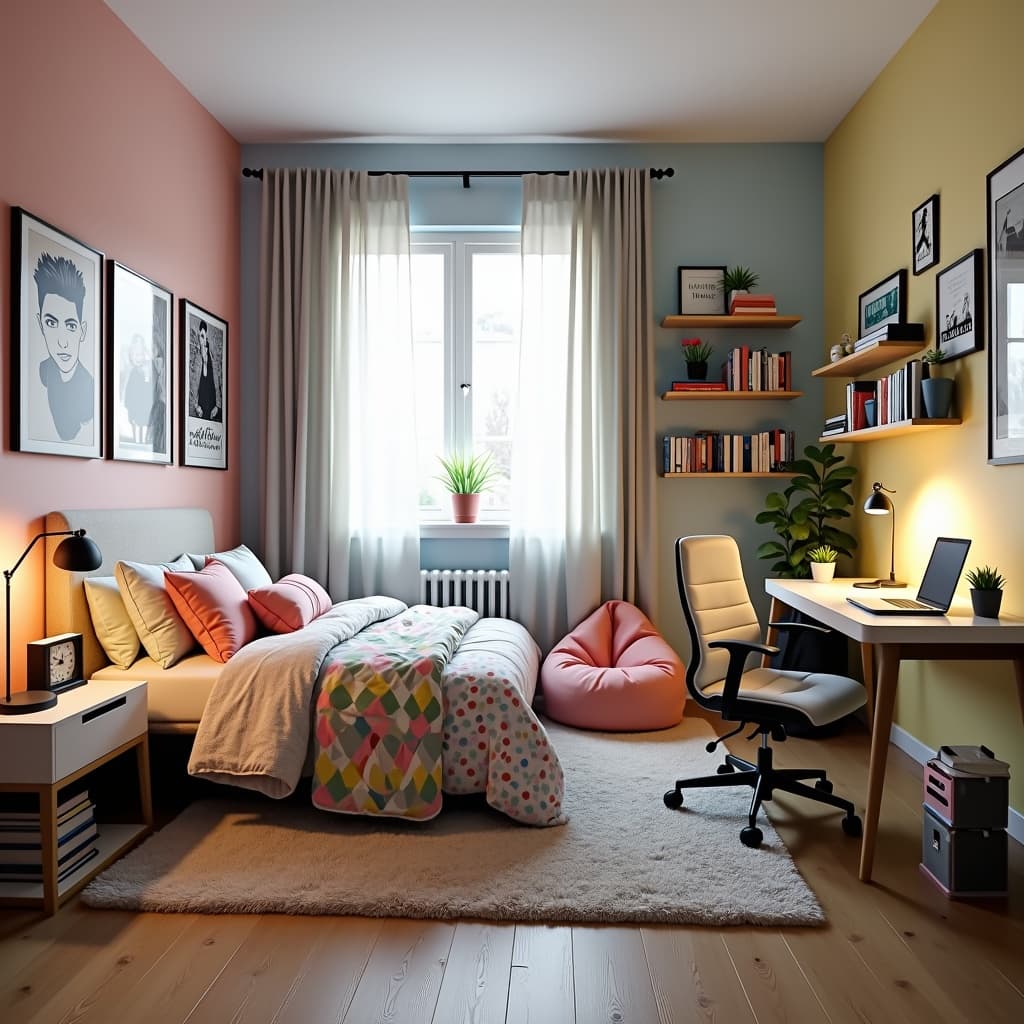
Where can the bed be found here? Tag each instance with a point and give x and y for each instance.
(495, 661)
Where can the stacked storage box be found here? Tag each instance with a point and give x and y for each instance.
(963, 841)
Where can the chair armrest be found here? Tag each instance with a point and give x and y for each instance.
(813, 627)
(738, 651)
(744, 647)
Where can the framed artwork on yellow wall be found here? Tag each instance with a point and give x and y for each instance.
(960, 306)
(925, 224)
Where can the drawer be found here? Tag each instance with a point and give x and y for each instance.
(87, 735)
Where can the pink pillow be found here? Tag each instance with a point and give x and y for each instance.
(214, 607)
(290, 603)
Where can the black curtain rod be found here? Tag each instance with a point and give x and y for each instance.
(656, 172)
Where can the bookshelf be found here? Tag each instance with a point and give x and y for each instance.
(730, 396)
(721, 476)
(899, 429)
(869, 359)
(723, 321)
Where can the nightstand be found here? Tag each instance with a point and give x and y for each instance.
(47, 751)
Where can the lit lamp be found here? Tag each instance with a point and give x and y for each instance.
(76, 553)
(880, 504)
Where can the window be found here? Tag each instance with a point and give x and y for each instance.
(465, 316)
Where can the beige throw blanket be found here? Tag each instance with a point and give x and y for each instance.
(254, 732)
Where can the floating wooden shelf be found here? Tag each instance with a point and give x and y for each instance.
(730, 396)
(889, 430)
(869, 359)
(719, 476)
(707, 322)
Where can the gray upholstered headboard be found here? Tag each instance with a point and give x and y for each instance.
(132, 534)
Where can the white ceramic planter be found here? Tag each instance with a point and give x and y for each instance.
(823, 571)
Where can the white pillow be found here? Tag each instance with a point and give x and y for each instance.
(244, 566)
(161, 629)
(110, 620)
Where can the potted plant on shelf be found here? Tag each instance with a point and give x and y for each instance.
(738, 280)
(937, 392)
(466, 476)
(823, 562)
(986, 591)
(696, 353)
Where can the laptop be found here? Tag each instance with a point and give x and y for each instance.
(937, 587)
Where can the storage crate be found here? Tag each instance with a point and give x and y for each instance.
(963, 861)
(966, 799)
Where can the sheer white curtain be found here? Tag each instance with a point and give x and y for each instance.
(582, 520)
(338, 445)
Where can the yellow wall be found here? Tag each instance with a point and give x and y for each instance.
(944, 112)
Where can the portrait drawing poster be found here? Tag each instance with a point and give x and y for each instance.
(204, 360)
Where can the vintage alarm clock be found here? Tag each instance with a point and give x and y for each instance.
(55, 663)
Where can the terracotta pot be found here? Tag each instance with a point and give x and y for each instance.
(465, 507)
(697, 371)
(823, 572)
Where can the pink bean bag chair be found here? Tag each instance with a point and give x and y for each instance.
(614, 672)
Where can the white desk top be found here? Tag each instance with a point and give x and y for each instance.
(827, 603)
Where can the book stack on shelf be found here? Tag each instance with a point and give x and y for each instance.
(750, 304)
(890, 332)
(897, 397)
(711, 452)
(21, 840)
(835, 425)
(757, 370)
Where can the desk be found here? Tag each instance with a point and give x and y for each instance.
(956, 636)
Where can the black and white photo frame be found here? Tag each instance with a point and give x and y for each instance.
(141, 367)
(56, 380)
(925, 235)
(702, 291)
(960, 306)
(204, 389)
(883, 303)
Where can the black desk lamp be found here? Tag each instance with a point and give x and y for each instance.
(880, 504)
(76, 553)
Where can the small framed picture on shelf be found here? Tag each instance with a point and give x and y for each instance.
(925, 227)
(204, 390)
(702, 291)
(959, 306)
(883, 303)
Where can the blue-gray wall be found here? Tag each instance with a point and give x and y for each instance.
(759, 205)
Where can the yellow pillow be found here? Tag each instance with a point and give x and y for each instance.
(110, 620)
(161, 629)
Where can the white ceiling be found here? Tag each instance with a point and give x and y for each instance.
(533, 70)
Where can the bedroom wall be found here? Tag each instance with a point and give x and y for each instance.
(99, 139)
(940, 117)
(759, 205)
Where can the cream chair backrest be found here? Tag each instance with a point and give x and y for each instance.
(718, 601)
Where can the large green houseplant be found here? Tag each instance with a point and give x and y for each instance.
(805, 513)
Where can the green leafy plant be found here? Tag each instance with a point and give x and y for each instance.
(933, 356)
(823, 554)
(804, 514)
(695, 350)
(739, 279)
(467, 474)
(986, 578)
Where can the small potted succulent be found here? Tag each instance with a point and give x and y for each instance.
(466, 476)
(986, 591)
(823, 562)
(696, 353)
(937, 392)
(738, 280)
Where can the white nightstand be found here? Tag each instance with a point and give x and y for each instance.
(44, 752)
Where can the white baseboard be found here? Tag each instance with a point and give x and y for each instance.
(913, 747)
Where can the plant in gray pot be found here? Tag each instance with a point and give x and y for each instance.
(937, 392)
(986, 591)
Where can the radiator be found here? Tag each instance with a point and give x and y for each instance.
(483, 590)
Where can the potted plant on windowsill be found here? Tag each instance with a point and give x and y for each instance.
(823, 563)
(466, 477)
(937, 392)
(696, 353)
(738, 280)
(986, 591)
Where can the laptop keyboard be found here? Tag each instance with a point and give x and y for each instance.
(903, 602)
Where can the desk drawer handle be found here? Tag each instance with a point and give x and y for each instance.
(103, 709)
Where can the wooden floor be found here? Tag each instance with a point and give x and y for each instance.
(896, 950)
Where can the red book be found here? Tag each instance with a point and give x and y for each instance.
(698, 385)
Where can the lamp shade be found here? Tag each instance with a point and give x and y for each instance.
(878, 502)
(77, 553)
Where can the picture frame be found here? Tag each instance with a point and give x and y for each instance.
(141, 367)
(56, 385)
(204, 388)
(883, 303)
(960, 306)
(702, 291)
(925, 235)
(1005, 287)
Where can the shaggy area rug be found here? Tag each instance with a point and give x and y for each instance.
(622, 857)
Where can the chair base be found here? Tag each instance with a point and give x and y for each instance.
(764, 778)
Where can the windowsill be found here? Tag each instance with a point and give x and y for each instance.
(463, 531)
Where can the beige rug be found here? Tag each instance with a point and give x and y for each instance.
(622, 857)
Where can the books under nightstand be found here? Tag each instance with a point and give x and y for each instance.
(21, 840)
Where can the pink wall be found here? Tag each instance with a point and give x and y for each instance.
(99, 139)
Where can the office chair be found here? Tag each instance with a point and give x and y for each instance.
(723, 632)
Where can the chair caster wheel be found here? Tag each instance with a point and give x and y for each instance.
(823, 786)
(673, 799)
(852, 826)
(711, 747)
(751, 837)
(725, 769)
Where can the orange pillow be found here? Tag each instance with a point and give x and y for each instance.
(290, 603)
(214, 607)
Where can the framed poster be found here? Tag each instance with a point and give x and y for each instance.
(925, 234)
(959, 306)
(702, 291)
(141, 370)
(883, 303)
(204, 390)
(1006, 311)
(56, 341)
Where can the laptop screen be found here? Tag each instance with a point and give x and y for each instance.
(943, 571)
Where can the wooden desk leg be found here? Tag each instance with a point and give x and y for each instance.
(885, 700)
(775, 613)
(867, 665)
(1018, 671)
(145, 792)
(48, 837)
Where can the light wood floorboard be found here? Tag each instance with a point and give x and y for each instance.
(893, 951)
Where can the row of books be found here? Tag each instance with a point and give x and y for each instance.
(835, 425)
(897, 397)
(757, 370)
(752, 304)
(711, 452)
(21, 840)
(890, 332)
